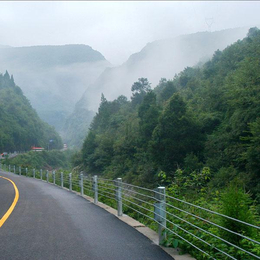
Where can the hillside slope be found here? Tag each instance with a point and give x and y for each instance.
(199, 133)
(20, 126)
(159, 59)
(53, 77)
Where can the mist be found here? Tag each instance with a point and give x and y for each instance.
(53, 88)
(159, 59)
(117, 29)
(124, 41)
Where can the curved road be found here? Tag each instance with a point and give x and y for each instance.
(51, 223)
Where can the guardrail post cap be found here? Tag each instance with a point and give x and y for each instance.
(159, 193)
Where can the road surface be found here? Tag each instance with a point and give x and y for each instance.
(52, 223)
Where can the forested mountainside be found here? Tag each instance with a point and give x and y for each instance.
(158, 59)
(20, 126)
(199, 132)
(76, 126)
(53, 78)
(45, 160)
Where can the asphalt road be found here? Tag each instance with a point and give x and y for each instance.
(51, 223)
(6, 196)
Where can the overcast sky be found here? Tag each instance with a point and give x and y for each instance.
(117, 29)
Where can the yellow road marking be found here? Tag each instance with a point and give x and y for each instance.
(9, 211)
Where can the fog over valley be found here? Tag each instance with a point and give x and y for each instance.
(53, 77)
(160, 59)
(64, 55)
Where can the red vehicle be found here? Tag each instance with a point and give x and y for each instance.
(4, 155)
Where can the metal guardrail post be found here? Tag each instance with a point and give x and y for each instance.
(14, 169)
(70, 181)
(160, 212)
(20, 170)
(47, 176)
(26, 172)
(119, 197)
(34, 173)
(9, 168)
(81, 185)
(53, 177)
(61, 179)
(41, 174)
(95, 186)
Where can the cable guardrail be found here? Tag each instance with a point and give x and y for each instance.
(183, 222)
(212, 223)
(213, 212)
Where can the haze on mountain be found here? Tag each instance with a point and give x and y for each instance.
(54, 83)
(20, 126)
(53, 78)
(159, 59)
(117, 29)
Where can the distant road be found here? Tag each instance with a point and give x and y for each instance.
(10, 155)
(51, 223)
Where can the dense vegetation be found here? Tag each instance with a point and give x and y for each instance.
(198, 134)
(161, 58)
(46, 160)
(204, 120)
(20, 126)
(53, 78)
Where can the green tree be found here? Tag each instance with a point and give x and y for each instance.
(148, 113)
(176, 135)
(139, 89)
(21, 127)
(252, 158)
(236, 204)
(168, 91)
(88, 150)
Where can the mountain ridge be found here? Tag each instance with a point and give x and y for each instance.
(53, 77)
(158, 59)
(52, 53)
(20, 126)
